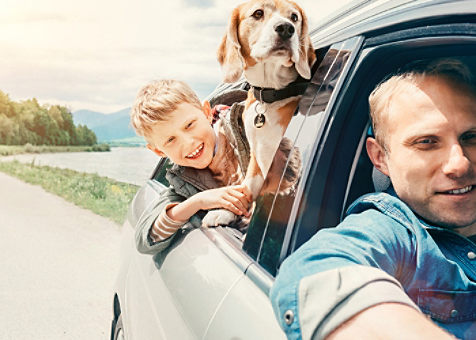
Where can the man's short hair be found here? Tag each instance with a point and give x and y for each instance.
(414, 73)
(156, 100)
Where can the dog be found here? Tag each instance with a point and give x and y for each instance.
(268, 42)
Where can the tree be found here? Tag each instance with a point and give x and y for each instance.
(28, 122)
(6, 106)
(85, 135)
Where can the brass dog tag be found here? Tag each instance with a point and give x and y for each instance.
(259, 120)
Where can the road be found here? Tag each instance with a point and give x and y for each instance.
(58, 264)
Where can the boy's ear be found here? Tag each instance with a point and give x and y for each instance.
(156, 151)
(207, 110)
(377, 155)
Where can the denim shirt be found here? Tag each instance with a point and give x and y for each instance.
(435, 267)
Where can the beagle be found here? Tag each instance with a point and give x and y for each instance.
(267, 41)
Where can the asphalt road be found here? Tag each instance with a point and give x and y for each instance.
(58, 264)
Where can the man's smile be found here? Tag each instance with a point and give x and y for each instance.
(457, 191)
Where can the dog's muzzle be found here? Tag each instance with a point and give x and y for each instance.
(284, 31)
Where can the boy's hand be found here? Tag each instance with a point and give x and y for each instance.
(233, 198)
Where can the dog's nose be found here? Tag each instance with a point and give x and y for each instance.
(285, 31)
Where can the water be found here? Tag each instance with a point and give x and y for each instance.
(129, 165)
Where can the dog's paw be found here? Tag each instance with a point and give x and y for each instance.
(218, 217)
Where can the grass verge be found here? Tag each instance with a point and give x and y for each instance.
(7, 150)
(101, 195)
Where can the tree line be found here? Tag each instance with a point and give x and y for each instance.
(29, 122)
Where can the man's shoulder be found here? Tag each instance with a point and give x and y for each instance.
(383, 206)
(375, 200)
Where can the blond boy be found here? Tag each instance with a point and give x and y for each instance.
(207, 172)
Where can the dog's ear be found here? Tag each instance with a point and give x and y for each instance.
(307, 56)
(229, 51)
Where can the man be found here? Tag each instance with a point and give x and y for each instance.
(409, 251)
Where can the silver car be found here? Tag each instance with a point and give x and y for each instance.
(214, 283)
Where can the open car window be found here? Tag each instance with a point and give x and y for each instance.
(343, 171)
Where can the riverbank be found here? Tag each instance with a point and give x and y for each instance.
(133, 165)
(101, 195)
(8, 150)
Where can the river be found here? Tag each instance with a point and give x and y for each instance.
(125, 164)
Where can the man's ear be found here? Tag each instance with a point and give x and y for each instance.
(156, 151)
(377, 155)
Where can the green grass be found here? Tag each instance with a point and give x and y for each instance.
(101, 195)
(7, 150)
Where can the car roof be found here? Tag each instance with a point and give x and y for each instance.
(365, 16)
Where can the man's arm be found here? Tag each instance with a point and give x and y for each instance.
(389, 321)
(342, 272)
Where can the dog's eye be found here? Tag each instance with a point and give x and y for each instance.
(294, 17)
(258, 14)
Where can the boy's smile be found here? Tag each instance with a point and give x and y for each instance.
(197, 153)
(186, 137)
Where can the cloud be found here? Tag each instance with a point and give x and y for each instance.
(199, 3)
(96, 54)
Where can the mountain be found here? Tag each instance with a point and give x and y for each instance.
(107, 127)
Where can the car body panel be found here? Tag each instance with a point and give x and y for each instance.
(362, 17)
(245, 313)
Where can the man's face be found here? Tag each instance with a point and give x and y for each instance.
(430, 136)
(186, 137)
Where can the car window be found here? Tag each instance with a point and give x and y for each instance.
(341, 171)
(267, 229)
(162, 167)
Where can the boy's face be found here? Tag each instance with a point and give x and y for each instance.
(186, 137)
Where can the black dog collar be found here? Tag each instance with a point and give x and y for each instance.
(270, 95)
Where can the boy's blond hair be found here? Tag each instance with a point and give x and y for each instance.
(156, 100)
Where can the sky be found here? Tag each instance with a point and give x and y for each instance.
(96, 54)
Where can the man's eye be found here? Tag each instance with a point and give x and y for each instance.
(169, 140)
(294, 17)
(426, 141)
(469, 138)
(189, 125)
(258, 14)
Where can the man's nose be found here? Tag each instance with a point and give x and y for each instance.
(458, 163)
(285, 30)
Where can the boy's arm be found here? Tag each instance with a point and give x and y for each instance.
(165, 226)
(174, 215)
(234, 198)
(156, 228)
(145, 243)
